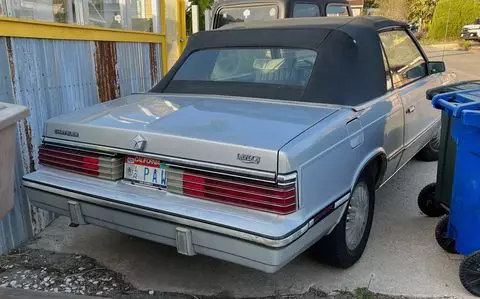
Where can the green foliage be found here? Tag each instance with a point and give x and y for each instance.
(368, 4)
(422, 10)
(364, 293)
(462, 12)
(202, 6)
(393, 9)
(465, 45)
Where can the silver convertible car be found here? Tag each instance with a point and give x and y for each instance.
(264, 140)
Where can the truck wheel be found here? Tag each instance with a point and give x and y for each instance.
(431, 151)
(347, 242)
(427, 202)
(470, 273)
(446, 243)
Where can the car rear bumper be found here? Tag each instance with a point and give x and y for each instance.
(189, 236)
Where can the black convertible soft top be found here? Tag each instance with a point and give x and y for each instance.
(349, 69)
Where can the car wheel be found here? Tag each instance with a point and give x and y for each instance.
(431, 151)
(470, 273)
(427, 202)
(445, 242)
(347, 242)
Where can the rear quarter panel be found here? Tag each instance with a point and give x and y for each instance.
(330, 157)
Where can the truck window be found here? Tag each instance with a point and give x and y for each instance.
(302, 10)
(337, 10)
(227, 15)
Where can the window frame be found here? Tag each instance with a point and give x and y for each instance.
(417, 45)
(216, 14)
(384, 57)
(296, 86)
(349, 11)
(292, 9)
(81, 13)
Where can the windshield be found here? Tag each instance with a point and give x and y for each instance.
(228, 15)
(279, 66)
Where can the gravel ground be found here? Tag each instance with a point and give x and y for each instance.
(48, 271)
(40, 270)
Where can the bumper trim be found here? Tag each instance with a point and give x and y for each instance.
(268, 242)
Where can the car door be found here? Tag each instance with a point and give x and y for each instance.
(409, 69)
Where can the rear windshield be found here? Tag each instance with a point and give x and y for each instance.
(273, 66)
(229, 15)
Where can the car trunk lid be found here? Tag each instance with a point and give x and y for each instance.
(221, 130)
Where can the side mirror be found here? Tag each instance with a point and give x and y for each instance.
(435, 67)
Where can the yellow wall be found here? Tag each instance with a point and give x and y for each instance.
(175, 29)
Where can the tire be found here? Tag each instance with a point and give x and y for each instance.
(427, 202)
(447, 244)
(470, 273)
(334, 249)
(431, 151)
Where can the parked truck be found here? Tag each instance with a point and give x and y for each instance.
(471, 32)
(234, 11)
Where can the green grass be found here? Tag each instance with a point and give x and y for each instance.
(455, 14)
(364, 293)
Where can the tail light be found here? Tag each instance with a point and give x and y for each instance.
(90, 163)
(270, 197)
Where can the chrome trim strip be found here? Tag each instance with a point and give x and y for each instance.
(249, 172)
(395, 153)
(287, 178)
(405, 148)
(419, 135)
(342, 200)
(274, 243)
(182, 167)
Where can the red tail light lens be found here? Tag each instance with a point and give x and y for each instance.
(240, 192)
(89, 163)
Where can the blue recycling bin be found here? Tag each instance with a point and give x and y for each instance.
(463, 228)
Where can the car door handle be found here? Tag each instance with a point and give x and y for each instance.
(411, 109)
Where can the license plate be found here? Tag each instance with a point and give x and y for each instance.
(146, 171)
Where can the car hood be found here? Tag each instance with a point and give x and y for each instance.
(202, 128)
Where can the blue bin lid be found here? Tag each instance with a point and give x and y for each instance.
(464, 105)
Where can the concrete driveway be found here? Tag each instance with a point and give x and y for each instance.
(402, 257)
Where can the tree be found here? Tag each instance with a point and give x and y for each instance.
(393, 9)
(422, 11)
(451, 15)
(369, 4)
(202, 6)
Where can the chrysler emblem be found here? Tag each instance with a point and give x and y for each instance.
(139, 143)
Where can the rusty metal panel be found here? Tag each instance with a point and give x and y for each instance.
(53, 77)
(158, 62)
(50, 77)
(106, 72)
(134, 71)
(15, 228)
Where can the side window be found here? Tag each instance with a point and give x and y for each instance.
(302, 10)
(337, 10)
(405, 59)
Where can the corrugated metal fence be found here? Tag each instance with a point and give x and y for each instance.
(53, 77)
